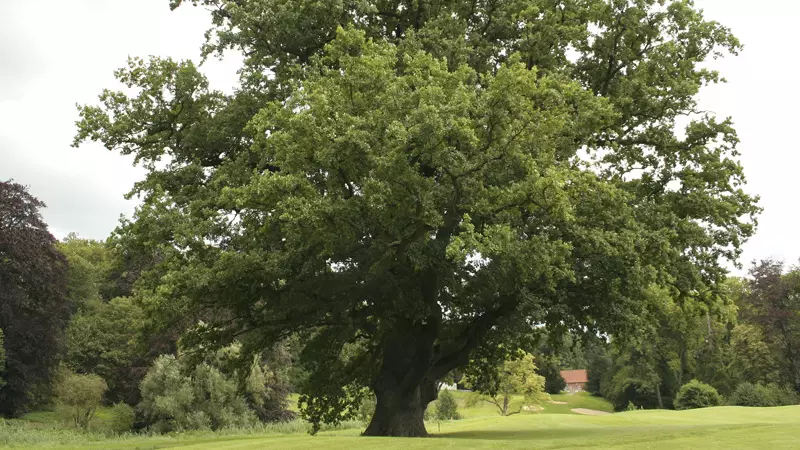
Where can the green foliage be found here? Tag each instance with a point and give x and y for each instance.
(89, 266)
(367, 409)
(103, 339)
(782, 395)
(176, 398)
(695, 394)
(123, 418)
(750, 394)
(760, 395)
(554, 383)
(515, 385)
(598, 371)
(80, 396)
(348, 194)
(631, 406)
(771, 302)
(751, 358)
(446, 406)
(33, 300)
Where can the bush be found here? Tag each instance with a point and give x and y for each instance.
(695, 394)
(80, 395)
(122, 418)
(781, 395)
(203, 399)
(749, 394)
(758, 395)
(446, 407)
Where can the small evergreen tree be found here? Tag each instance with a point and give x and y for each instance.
(447, 406)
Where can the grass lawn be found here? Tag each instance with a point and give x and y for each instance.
(722, 427)
(554, 427)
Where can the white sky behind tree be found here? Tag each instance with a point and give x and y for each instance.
(56, 53)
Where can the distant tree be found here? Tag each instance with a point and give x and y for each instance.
(34, 309)
(80, 395)
(515, 385)
(105, 339)
(428, 179)
(751, 359)
(598, 371)
(89, 270)
(554, 383)
(773, 303)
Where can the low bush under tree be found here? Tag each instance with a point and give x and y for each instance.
(695, 394)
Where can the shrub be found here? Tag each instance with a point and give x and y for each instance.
(202, 399)
(631, 406)
(781, 395)
(446, 407)
(695, 394)
(80, 395)
(749, 394)
(122, 418)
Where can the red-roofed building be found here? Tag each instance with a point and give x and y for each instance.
(576, 379)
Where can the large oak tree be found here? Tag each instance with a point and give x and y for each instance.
(410, 185)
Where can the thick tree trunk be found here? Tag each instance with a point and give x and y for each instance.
(400, 414)
(406, 382)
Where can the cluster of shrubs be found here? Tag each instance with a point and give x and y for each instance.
(695, 394)
(179, 394)
(749, 394)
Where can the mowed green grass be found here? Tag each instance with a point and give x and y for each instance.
(711, 428)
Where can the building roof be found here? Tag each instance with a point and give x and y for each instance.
(574, 376)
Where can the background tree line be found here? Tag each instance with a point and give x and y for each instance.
(74, 331)
(745, 336)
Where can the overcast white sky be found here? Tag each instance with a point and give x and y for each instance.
(56, 53)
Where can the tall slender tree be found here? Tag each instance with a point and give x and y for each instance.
(33, 299)
(413, 184)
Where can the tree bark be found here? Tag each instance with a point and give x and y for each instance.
(400, 414)
(658, 395)
(405, 383)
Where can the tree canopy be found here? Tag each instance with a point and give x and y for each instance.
(414, 185)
